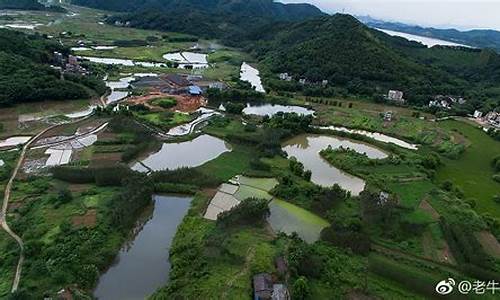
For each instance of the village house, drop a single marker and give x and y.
(396, 96)
(280, 292)
(217, 85)
(324, 82)
(478, 114)
(383, 197)
(263, 286)
(388, 116)
(285, 77)
(493, 118)
(302, 81)
(195, 90)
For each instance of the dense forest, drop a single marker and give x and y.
(25, 74)
(254, 8)
(365, 61)
(28, 5)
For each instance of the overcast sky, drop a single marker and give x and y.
(438, 13)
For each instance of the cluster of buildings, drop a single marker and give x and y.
(265, 288)
(492, 118)
(177, 84)
(69, 64)
(303, 81)
(446, 102)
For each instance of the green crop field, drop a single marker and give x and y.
(472, 171)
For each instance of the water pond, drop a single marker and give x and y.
(14, 141)
(272, 109)
(252, 75)
(306, 148)
(192, 153)
(288, 218)
(190, 127)
(374, 135)
(142, 265)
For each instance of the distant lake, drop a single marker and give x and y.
(429, 42)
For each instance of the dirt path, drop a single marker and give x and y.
(5, 206)
(229, 283)
(6, 198)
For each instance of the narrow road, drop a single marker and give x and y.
(5, 206)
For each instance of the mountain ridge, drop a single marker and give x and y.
(257, 8)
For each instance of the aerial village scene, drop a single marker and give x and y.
(185, 171)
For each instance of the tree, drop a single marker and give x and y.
(64, 196)
(249, 211)
(301, 288)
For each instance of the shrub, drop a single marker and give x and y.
(249, 211)
(301, 288)
(165, 102)
(496, 177)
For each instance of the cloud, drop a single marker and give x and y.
(438, 13)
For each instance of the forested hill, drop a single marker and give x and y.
(25, 74)
(361, 60)
(28, 5)
(255, 8)
(354, 58)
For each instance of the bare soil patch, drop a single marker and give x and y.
(89, 219)
(105, 159)
(489, 243)
(424, 205)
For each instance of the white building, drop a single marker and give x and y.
(395, 95)
(478, 114)
(285, 76)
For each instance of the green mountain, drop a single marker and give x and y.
(255, 8)
(25, 74)
(360, 60)
(354, 58)
(28, 5)
(21, 4)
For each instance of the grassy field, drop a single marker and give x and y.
(472, 172)
(229, 164)
(158, 119)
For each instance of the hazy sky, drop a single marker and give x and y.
(438, 13)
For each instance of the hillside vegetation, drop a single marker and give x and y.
(261, 8)
(28, 5)
(299, 40)
(368, 62)
(25, 74)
